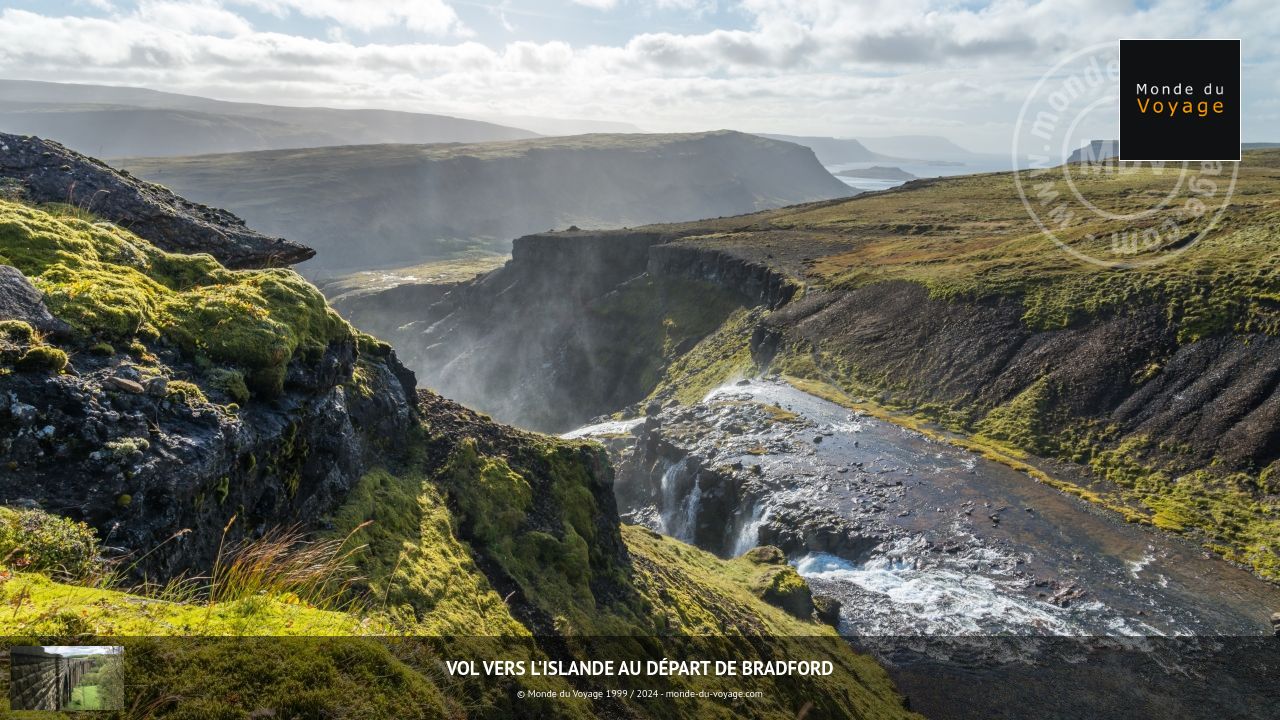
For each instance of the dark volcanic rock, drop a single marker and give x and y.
(48, 172)
(20, 300)
(142, 465)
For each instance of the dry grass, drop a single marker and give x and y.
(284, 563)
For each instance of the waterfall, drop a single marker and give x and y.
(689, 526)
(670, 492)
(749, 534)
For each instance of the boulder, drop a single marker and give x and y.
(44, 172)
(20, 300)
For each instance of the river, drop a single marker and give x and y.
(934, 543)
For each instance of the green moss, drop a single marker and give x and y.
(783, 587)
(111, 285)
(35, 604)
(360, 383)
(414, 564)
(128, 447)
(1023, 420)
(42, 358)
(356, 679)
(34, 540)
(490, 496)
(370, 345)
(719, 357)
(230, 382)
(185, 392)
(18, 331)
(102, 349)
(1269, 479)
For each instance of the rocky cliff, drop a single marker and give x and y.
(576, 324)
(149, 393)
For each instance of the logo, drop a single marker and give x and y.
(1098, 208)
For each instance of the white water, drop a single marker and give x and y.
(936, 601)
(612, 427)
(689, 518)
(1137, 566)
(670, 501)
(749, 535)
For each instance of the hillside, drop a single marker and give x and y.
(196, 456)
(108, 121)
(365, 207)
(1150, 391)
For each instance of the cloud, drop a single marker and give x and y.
(597, 4)
(426, 16)
(192, 16)
(801, 66)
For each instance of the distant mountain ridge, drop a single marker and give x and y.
(107, 121)
(830, 150)
(379, 206)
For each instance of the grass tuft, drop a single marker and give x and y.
(284, 563)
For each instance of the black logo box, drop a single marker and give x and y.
(1180, 65)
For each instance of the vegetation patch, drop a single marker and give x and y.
(36, 541)
(42, 358)
(718, 358)
(112, 286)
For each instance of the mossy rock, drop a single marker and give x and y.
(186, 392)
(230, 382)
(112, 286)
(784, 588)
(766, 555)
(370, 345)
(42, 358)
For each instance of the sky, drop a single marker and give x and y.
(807, 67)
(83, 649)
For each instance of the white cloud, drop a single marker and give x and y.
(800, 66)
(426, 16)
(192, 16)
(597, 4)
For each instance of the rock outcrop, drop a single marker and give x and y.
(20, 300)
(42, 171)
(577, 323)
(156, 395)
